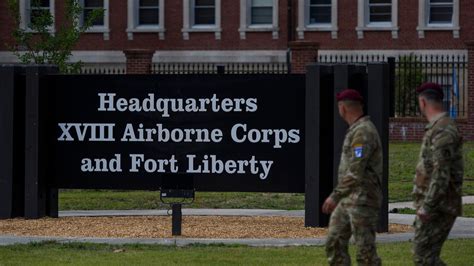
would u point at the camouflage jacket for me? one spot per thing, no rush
(361, 166)
(439, 173)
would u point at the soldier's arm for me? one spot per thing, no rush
(443, 152)
(362, 147)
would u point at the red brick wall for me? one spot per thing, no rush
(6, 24)
(408, 36)
(139, 61)
(347, 37)
(302, 54)
(413, 129)
(407, 129)
(173, 36)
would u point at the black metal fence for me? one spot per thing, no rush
(219, 68)
(450, 71)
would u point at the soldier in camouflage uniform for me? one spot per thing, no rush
(438, 181)
(356, 201)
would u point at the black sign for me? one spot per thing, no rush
(225, 133)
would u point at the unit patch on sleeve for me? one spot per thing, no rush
(358, 150)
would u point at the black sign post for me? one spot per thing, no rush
(12, 141)
(318, 150)
(378, 97)
(326, 130)
(41, 199)
(7, 76)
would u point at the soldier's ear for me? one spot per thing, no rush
(421, 102)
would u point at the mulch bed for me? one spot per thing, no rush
(160, 227)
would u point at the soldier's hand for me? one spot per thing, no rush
(329, 206)
(423, 215)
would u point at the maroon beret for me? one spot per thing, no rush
(430, 86)
(349, 94)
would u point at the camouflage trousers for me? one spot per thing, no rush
(359, 221)
(429, 238)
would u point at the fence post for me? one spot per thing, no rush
(139, 61)
(469, 128)
(302, 54)
(391, 85)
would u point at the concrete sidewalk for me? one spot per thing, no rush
(409, 204)
(464, 228)
(222, 212)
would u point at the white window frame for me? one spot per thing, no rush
(104, 29)
(25, 16)
(188, 20)
(363, 20)
(245, 17)
(134, 27)
(424, 16)
(304, 24)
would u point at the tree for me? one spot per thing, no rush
(39, 44)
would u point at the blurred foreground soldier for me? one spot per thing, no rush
(356, 201)
(438, 180)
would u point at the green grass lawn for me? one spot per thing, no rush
(455, 252)
(403, 158)
(468, 211)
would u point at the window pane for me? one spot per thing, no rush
(93, 3)
(441, 1)
(380, 1)
(441, 14)
(99, 21)
(204, 16)
(380, 18)
(149, 16)
(320, 15)
(39, 3)
(262, 3)
(204, 3)
(320, 2)
(262, 15)
(380, 14)
(36, 14)
(149, 3)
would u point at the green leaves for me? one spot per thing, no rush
(40, 41)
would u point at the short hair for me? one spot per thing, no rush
(432, 96)
(352, 103)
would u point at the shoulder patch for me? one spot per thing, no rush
(358, 150)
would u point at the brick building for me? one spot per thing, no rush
(273, 32)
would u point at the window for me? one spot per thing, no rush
(377, 15)
(380, 11)
(30, 10)
(317, 15)
(201, 16)
(438, 15)
(259, 16)
(261, 12)
(441, 11)
(146, 16)
(89, 7)
(204, 12)
(100, 24)
(149, 12)
(36, 9)
(320, 12)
